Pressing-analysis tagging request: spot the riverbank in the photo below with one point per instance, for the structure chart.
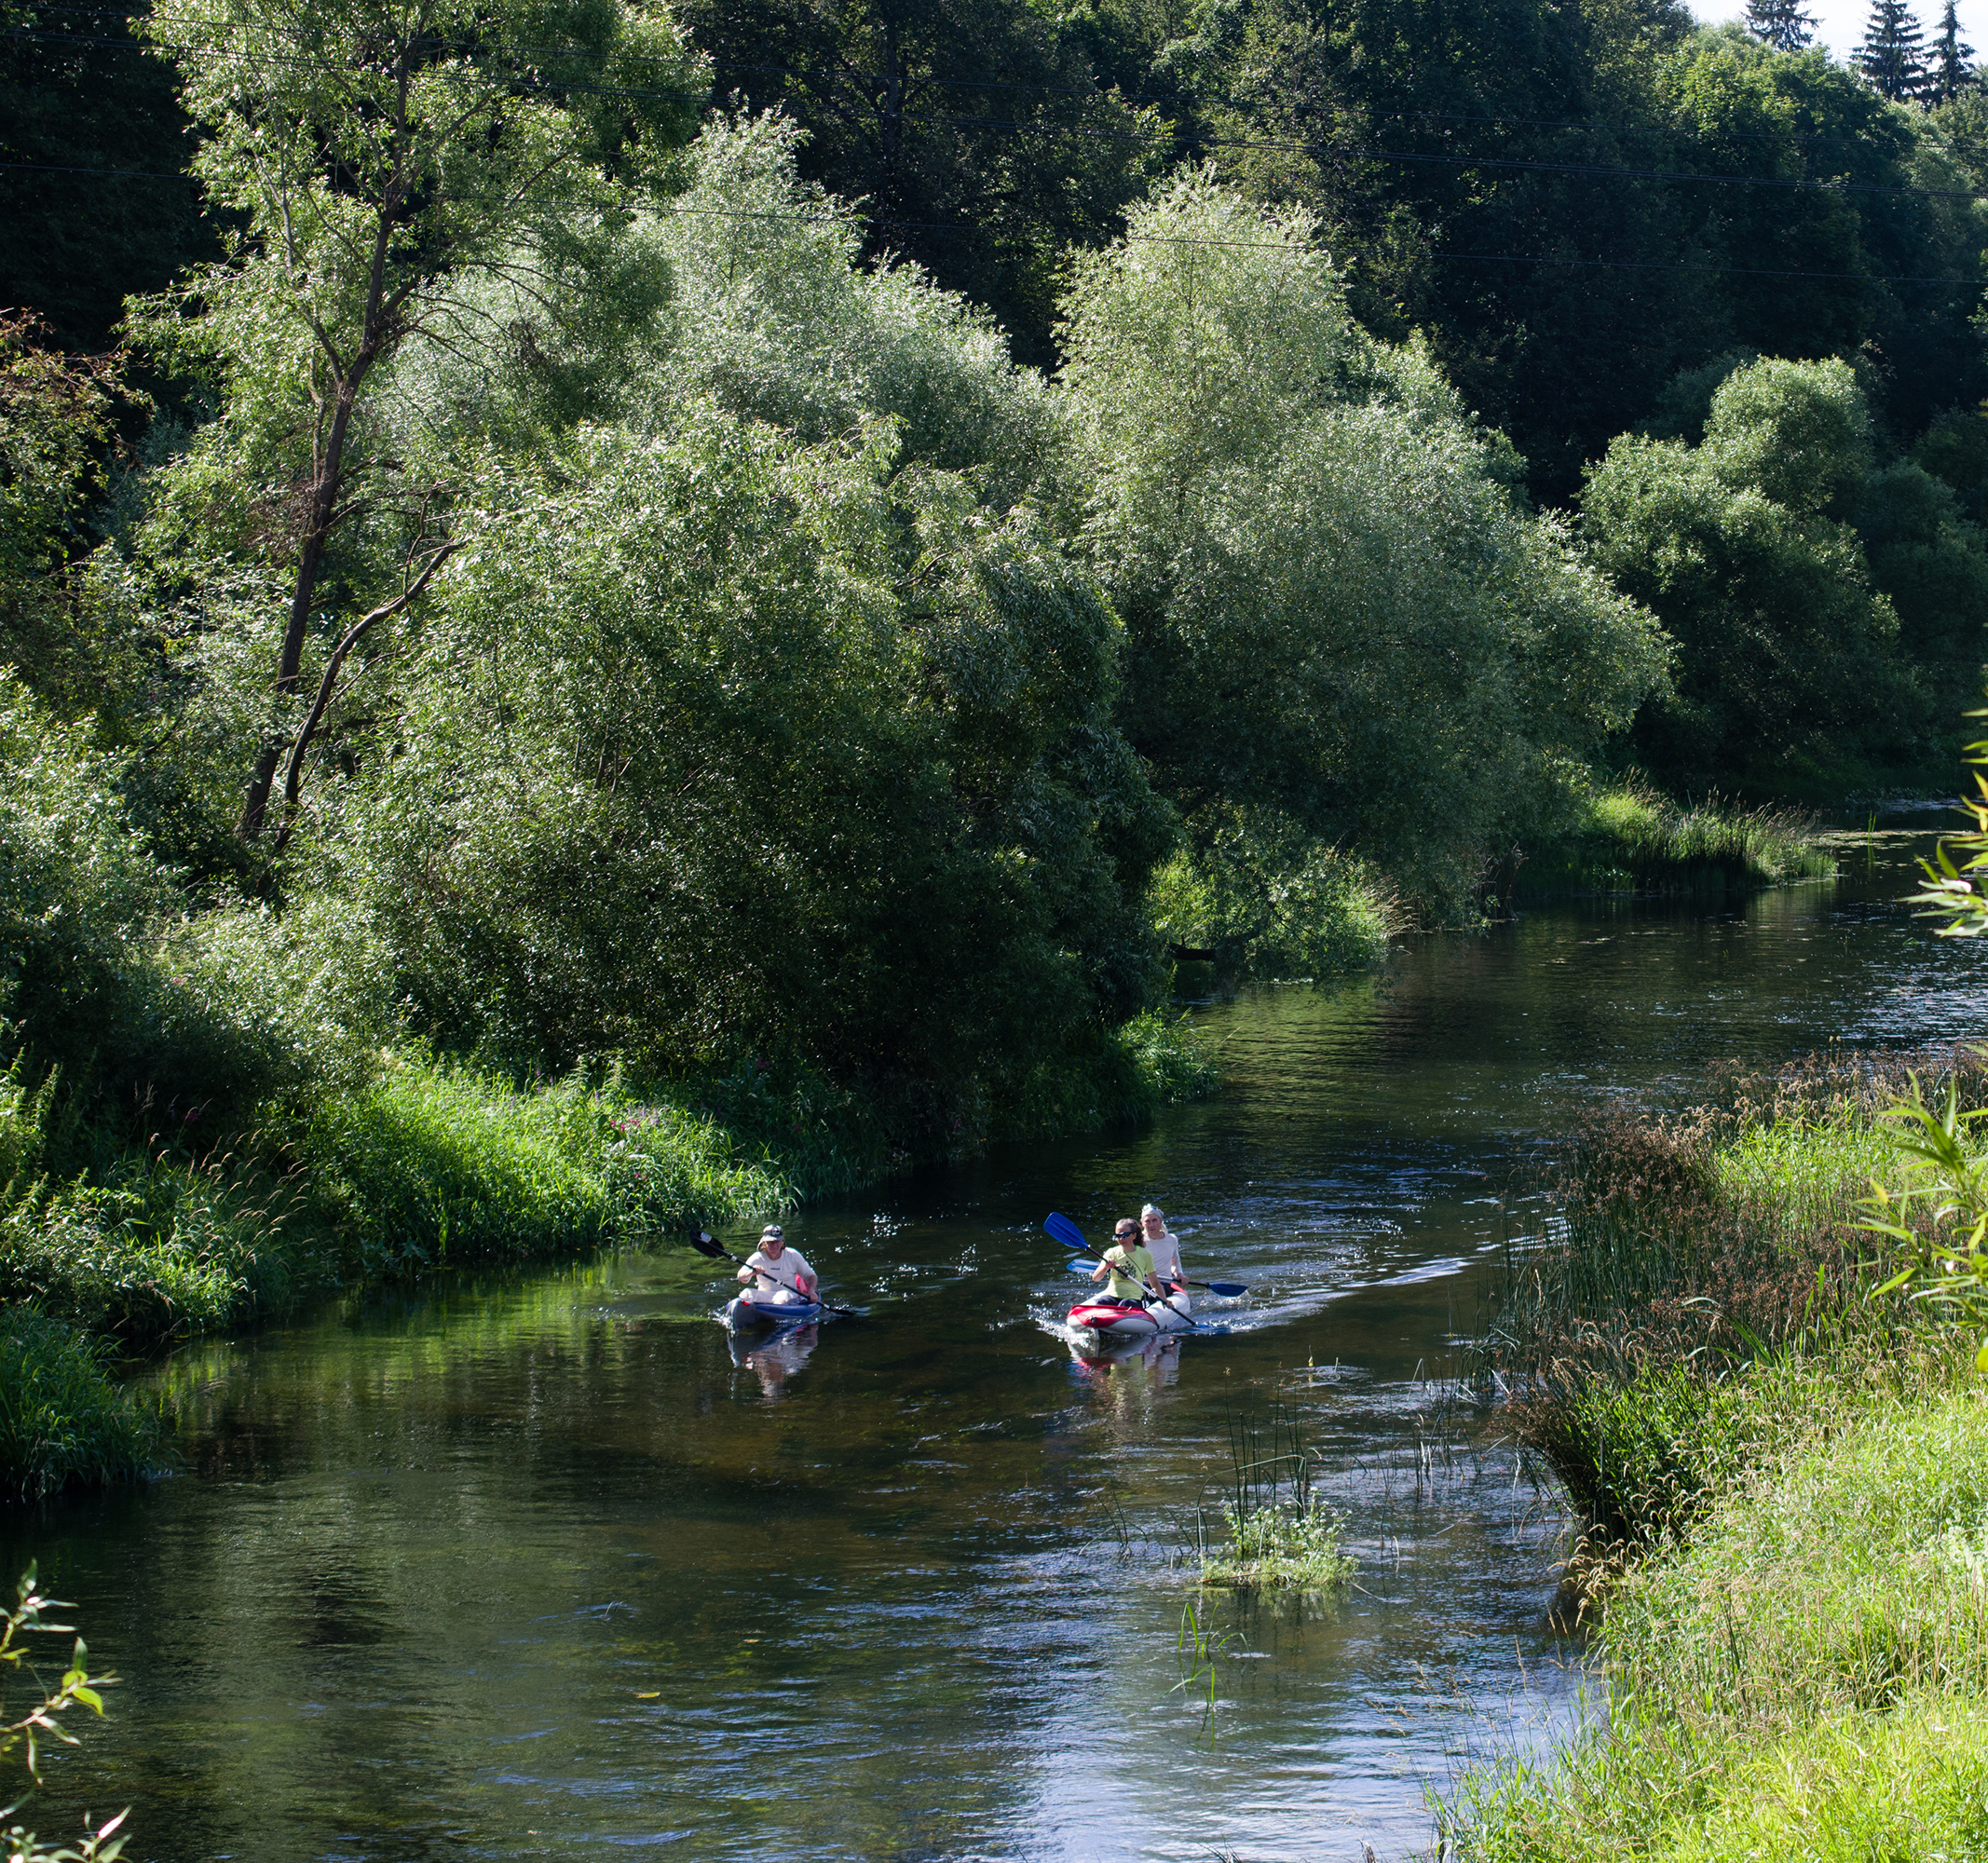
(110, 1250)
(1628, 839)
(1787, 1487)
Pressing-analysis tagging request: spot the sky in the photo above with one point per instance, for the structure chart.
(1839, 23)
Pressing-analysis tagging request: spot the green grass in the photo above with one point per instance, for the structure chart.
(1790, 1480)
(1630, 839)
(1805, 1675)
(62, 1419)
(435, 1163)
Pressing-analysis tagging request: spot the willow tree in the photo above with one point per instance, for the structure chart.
(1335, 608)
(379, 160)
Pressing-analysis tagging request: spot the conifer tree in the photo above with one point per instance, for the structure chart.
(1950, 69)
(1892, 56)
(1781, 25)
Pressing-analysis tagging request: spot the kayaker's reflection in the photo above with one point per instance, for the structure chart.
(775, 1357)
(1131, 1370)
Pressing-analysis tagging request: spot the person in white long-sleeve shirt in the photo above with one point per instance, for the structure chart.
(779, 1276)
(1165, 1249)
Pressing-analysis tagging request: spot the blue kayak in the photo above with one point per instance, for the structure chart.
(744, 1316)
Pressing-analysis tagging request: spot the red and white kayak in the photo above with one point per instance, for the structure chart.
(1109, 1319)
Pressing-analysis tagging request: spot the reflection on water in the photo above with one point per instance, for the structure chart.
(532, 1565)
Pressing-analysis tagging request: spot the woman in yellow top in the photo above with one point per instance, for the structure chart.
(1126, 1258)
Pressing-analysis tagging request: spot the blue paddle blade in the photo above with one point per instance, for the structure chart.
(1067, 1232)
(1083, 1265)
(1226, 1289)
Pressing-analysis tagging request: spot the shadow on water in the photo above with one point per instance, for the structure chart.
(548, 1565)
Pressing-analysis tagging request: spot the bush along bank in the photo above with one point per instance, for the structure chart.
(1628, 839)
(1785, 1480)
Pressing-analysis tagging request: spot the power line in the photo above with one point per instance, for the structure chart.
(1511, 164)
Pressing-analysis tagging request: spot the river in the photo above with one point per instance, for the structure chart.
(541, 1565)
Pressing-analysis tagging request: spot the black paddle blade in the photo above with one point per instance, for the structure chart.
(706, 1244)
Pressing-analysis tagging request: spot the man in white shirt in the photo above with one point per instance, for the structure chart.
(779, 1275)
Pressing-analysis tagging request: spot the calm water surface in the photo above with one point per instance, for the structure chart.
(543, 1566)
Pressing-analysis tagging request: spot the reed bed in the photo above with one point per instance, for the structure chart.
(1630, 838)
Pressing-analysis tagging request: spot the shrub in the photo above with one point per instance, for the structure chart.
(1265, 901)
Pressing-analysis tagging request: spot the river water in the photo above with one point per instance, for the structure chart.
(541, 1565)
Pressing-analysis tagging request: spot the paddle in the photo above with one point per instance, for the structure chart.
(1071, 1237)
(707, 1243)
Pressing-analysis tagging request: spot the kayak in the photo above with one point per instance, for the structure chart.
(744, 1316)
(1108, 1320)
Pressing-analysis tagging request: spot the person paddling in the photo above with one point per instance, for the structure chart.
(780, 1275)
(1165, 1249)
(1128, 1264)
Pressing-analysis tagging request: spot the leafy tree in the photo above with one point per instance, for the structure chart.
(376, 162)
(1950, 71)
(1744, 547)
(778, 318)
(1335, 609)
(975, 132)
(1891, 54)
(57, 424)
(727, 743)
(1780, 25)
(1811, 262)
(1932, 562)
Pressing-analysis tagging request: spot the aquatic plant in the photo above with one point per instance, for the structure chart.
(1196, 1649)
(1272, 1532)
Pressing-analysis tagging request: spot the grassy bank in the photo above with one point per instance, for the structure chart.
(110, 1247)
(1629, 839)
(1787, 1487)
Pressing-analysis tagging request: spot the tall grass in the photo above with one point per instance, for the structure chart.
(62, 1419)
(1630, 838)
(1805, 1675)
(437, 1164)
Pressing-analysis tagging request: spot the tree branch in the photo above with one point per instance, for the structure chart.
(293, 776)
